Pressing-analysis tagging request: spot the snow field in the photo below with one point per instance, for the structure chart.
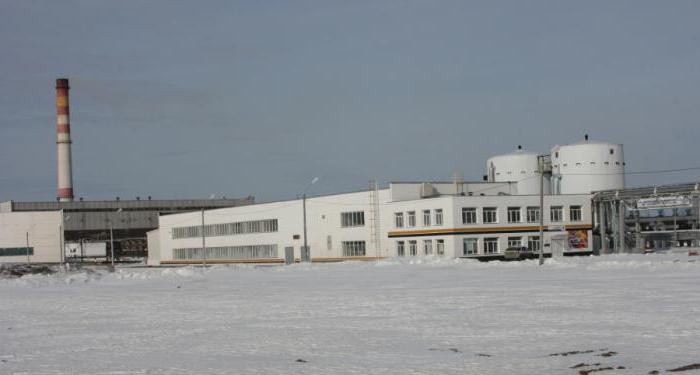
(399, 316)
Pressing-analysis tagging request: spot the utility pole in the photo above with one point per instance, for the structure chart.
(541, 170)
(204, 247)
(306, 248)
(111, 245)
(27, 248)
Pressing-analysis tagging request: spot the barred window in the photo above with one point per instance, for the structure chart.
(353, 248)
(533, 214)
(398, 219)
(226, 229)
(411, 218)
(515, 241)
(491, 245)
(470, 246)
(352, 219)
(556, 213)
(575, 213)
(413, 248)
(468, 215)
(226, 252)
(513, 214)
(490, 215)
(533, 243)
(428, 247)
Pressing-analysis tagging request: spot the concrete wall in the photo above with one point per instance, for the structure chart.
(153, 238)
(44, 236)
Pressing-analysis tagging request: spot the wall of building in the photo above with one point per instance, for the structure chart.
(153, 239)
(43, 229)
(327, 234)
(454, 230)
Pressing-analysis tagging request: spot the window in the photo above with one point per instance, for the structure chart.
(533, 214)
(411, 218)
(400, 248)
(413, 248)
(353, 248)
(515, 241)
(426, 218)
(428, 247)
(440, 247)
(470, 246)
(490, 245)
(352, 219)
(438, 216)
(468, 215)
(490, 215)
(575, 213)
(16, 251)
(513, 214)
(398, 219)
(533, 243)
(556, 213)
(226, 229)
(227, 252)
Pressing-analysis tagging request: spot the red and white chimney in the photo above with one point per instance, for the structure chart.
(63, 142)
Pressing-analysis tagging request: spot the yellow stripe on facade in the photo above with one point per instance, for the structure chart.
(528, 228)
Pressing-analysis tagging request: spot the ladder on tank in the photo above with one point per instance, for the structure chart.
(374, 217)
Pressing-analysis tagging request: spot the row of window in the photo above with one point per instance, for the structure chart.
(16, 251)
(227, 252)
(411, 218)
(354, 248)
(489, 215)
(470, 246)
(427, 248)
(226, 229)
(352, 219)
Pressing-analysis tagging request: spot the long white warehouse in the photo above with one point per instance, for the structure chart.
(451, 219)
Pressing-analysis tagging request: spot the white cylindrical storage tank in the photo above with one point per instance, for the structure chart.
(520, 167)
(589, 166)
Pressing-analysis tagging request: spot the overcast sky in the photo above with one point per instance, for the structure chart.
(187, 99)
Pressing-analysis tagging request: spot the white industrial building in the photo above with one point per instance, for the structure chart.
(451, 219)
(31, 237)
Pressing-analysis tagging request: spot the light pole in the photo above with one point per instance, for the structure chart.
(541, 170)
(111, 241)
(305, 249)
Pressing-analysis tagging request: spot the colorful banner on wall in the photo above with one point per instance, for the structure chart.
(578, 239)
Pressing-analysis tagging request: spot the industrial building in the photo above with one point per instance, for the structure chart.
(453, 219)
(648, 218)
(43, 229)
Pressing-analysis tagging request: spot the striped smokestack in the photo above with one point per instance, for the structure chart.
(63, 142)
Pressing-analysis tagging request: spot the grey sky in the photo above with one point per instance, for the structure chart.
(185, 99)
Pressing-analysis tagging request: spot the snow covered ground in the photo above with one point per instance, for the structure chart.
(420, 316)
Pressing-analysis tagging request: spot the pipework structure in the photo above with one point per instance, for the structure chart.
(63, 142)
(647, 218)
